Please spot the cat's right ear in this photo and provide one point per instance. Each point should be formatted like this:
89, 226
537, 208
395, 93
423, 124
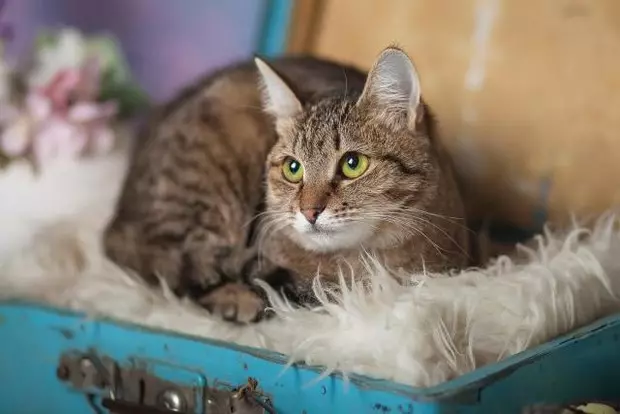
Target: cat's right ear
278, 99
392, 88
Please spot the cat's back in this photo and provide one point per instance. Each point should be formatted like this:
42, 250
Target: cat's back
219, 120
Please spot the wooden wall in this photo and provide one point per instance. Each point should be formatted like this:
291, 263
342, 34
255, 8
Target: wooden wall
527, 92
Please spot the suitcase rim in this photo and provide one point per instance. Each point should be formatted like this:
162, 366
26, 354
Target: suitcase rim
472, 381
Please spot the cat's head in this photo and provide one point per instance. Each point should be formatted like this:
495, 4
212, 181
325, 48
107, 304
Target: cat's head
349, 171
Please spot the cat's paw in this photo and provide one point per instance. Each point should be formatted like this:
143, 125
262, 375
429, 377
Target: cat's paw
234, 302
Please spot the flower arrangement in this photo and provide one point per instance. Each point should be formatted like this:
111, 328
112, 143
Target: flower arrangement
70, 101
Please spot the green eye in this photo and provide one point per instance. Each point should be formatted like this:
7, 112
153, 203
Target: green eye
354, 165
292, 170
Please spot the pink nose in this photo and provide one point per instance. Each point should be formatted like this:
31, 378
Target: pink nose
312, 214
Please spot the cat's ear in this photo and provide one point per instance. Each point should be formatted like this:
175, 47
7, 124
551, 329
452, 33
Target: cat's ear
392, 87
278, 99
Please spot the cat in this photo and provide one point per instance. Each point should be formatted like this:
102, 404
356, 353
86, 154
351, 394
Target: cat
278, 170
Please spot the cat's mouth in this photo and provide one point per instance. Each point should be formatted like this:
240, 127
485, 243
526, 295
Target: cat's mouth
329, 235
321, 227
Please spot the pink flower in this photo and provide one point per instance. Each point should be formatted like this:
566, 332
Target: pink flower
61, 119
91, 112
82, 129
38, 107
93, 120
57, 138
60, 88
48, 132
72, 85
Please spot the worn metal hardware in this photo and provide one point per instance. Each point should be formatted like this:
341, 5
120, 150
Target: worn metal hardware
137, 389
171, 400
247, 399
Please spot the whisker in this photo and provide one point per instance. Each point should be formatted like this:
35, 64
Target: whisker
453, 220
441, 230
270, 225
256, 217
410, 224
260, 245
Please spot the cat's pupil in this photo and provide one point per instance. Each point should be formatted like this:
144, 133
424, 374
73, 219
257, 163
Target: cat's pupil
353, 161
294, 166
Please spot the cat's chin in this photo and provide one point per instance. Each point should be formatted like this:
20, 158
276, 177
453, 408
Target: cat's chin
327, 242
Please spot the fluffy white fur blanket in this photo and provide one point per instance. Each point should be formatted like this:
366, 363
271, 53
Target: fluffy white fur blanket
419, 335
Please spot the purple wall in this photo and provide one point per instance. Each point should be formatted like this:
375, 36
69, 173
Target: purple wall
167, 43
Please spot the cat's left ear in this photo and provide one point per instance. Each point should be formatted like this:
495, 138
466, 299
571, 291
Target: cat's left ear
392, 88
278, 98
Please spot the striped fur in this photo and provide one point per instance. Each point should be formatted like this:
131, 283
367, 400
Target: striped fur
188, 211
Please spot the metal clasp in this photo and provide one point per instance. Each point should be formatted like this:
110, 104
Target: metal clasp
140, 388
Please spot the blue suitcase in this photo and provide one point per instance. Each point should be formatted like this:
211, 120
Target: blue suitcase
53, 361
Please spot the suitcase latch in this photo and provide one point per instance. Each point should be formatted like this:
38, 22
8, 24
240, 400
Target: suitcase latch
140, 388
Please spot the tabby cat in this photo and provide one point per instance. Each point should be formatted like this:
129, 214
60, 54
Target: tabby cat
277, 171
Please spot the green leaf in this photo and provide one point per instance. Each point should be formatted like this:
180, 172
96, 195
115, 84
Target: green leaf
116, 81
129, 97
45, 38
110, 57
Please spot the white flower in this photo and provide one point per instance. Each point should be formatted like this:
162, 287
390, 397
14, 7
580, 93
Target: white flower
67, 52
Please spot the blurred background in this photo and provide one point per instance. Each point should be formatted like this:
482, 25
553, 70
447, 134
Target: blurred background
526, 92
167, 43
